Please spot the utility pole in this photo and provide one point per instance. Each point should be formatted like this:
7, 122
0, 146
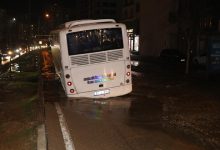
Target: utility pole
187, 56
189, 39
29, 23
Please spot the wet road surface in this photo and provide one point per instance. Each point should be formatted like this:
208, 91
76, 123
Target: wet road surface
164, 112
124, 123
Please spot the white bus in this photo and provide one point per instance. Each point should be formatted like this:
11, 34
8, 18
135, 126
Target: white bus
92, 58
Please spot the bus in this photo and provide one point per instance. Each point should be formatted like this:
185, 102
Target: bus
92, 58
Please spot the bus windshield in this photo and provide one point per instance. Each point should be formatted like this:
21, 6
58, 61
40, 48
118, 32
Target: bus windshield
96, 40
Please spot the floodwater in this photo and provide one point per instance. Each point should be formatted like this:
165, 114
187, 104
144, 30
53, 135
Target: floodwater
165, 111
151, 115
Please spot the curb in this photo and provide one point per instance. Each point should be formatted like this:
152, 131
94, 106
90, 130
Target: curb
41, 130
41, 138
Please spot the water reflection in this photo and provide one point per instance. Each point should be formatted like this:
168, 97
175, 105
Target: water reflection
101, 108
133, 111
47, 69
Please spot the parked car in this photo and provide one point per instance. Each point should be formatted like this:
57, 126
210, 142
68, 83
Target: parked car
173, 56
200, 59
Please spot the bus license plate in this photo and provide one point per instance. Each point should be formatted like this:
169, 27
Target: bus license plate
101, 92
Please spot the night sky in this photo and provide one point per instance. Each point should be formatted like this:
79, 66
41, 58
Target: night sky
20, 7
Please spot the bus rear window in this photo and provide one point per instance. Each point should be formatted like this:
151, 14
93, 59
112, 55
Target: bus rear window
96, 40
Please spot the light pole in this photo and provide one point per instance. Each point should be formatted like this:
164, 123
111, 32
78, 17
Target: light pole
43, 22
40, 43
1, 58
10, 54
11, 30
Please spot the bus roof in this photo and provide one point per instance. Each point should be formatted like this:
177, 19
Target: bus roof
83, 22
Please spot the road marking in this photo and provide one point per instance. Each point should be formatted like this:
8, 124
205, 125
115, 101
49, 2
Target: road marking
41, 138
65, 132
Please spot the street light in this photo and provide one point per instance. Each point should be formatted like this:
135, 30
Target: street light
10, 53
13, 20
47, 15
10, 32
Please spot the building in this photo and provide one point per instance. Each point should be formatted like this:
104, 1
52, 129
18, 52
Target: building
125, 11
97, 9
3, 18
130, 15
176, 24
158, 29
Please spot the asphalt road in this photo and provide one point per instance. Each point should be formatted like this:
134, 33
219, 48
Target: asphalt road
165, 111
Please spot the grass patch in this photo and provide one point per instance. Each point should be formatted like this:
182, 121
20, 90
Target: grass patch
29, 107
18, 121
27, 76
19, 107
20, 85
21, 82
23, 138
